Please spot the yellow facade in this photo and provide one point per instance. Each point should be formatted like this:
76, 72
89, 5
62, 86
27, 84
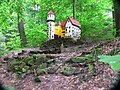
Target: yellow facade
60, 31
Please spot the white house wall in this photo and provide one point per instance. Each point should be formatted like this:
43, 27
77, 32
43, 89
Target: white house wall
68, 28
72, 31
76, 31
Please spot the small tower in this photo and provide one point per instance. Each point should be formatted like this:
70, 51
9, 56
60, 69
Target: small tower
51, 22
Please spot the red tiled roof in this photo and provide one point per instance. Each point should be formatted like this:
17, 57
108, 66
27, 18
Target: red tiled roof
74, 21
58, 24
50, 12
63, 23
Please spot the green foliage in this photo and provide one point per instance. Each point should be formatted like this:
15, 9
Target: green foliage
2, 45
24, 70
93, 19
113, 61
36, 35
14, 43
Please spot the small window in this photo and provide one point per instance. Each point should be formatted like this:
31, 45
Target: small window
69, 31
66, 30
69, 27
73, 32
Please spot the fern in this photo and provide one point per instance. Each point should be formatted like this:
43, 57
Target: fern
113, 61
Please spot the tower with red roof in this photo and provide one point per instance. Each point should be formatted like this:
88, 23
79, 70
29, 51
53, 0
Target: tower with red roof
50, 22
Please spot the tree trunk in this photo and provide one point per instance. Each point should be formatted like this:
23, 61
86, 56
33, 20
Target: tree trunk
116, 16
22, 33
74, 9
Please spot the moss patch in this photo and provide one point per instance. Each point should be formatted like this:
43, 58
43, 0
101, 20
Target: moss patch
67, 70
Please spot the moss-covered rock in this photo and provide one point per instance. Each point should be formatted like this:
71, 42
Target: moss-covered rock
81, 59
16, 65
51, 61
22, 64
67, 70
52, 69
41, 69
39, 58
77, 71
78, 59
33, 67
37, 79
29, 60
19, 57
42, 66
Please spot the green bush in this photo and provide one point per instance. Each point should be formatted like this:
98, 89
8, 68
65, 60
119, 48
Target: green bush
2, 45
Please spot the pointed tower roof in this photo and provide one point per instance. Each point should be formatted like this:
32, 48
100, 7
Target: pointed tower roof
58, 24
50, 12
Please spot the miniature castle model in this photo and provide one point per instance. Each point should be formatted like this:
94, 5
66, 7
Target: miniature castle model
68, 28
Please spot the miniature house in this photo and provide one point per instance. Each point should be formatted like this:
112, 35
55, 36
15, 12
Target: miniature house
68, 28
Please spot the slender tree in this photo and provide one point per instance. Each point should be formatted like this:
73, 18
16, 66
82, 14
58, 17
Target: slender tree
21, 24
22, 33
116, 16
74, 9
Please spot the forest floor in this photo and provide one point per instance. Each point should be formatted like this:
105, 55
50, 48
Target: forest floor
91, 75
